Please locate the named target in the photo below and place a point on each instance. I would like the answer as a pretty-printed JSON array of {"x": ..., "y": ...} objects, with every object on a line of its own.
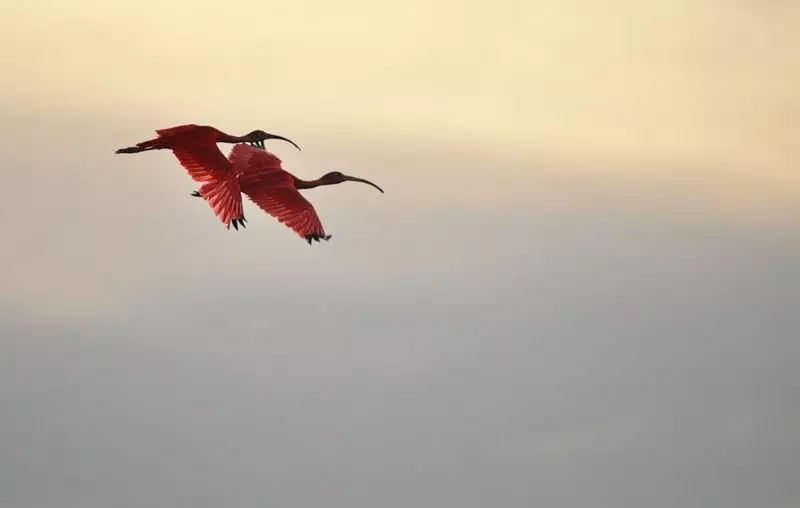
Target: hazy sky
[{"x": 580, "y": 288}]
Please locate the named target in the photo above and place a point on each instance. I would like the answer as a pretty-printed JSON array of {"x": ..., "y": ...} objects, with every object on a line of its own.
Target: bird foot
[
  {"x": 316, "y": 238},
  {"x": 196, "y": 194}
]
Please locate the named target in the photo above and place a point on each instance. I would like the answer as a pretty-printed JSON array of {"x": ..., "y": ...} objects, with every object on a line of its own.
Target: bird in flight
[
  {"x": 249, "y": 169},
  {"x": 276, "y": 191},
  {"x": 198, "y": 136}
]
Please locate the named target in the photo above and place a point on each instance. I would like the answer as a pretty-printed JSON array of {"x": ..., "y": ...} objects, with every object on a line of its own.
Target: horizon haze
[{"x": 580, "y": 288}]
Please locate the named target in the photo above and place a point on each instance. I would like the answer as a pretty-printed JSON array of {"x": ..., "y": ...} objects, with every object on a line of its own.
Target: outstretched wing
[
  {"x": 225, "y": 198},
  {"x": 288, "y": 206},
  {"x": 203, "y": 161},
  {"x": 247, "y": 159},
  {"x": 273, "y": 190},
  {"x": 179, "y": 129},
  {"x": 196, "y": 150}
]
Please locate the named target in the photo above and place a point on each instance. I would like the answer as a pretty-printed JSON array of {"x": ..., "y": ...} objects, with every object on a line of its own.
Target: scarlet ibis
[
  {"x": 195, "y": 146},
  {"x": 276, "y": 191},
  {"x": 198, "y": 135},
  {"x": 250, "y": 169}
]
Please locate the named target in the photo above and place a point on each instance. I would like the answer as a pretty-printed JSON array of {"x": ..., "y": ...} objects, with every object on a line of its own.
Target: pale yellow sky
[
  {"x": 488, "y": 103},
  {"x": 584, "y": 270},
  {"x": 706, "y": 83}
]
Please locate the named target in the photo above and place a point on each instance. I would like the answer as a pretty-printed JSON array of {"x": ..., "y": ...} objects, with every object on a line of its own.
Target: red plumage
[
  {"x": 250, "y": 170},
  {"x": 195, "y": 147},
  {"x": 274, "y": 190}
]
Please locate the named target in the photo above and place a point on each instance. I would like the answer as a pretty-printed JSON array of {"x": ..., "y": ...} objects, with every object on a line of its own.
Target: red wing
[
  {"x": 195, "y": 146},
  {"x": 177, "y": 136},
  {"x": 272, "y": 189},
  {"x": 196, "y": 149},
  {"x": 249, "y": 159},
  {"x": 288, "y": 206},
  {"x": 166, "y": 137},
  {"x": 203, "y": 162},
  {"x": 179, "y": 129},
  {"x": 225, "y": 198}
]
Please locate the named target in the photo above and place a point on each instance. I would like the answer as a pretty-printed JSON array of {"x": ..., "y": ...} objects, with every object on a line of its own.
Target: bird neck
[
  {"x": 224, "y": 137},
  {"x": 299, "y": 183}
]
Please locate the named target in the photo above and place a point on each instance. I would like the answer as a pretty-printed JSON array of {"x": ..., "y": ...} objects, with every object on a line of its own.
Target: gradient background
[{"x": 580, "y": 288}]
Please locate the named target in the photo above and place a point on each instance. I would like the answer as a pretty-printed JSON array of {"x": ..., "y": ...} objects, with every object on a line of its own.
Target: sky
[{"x": 579, "y": 289}]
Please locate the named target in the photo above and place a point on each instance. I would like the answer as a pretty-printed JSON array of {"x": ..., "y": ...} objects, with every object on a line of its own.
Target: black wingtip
[
  {"x": 316, "y": 238},
  {"x": 238, "y": 222}
]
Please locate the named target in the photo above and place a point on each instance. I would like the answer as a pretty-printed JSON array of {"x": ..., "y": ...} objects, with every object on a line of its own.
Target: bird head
[
  {"x": 257, "y": 138},
  {"x": 336, "y": 177}
]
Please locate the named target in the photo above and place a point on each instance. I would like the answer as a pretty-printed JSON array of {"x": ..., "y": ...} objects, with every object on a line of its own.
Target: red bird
[
  {"x": 189, "y": 136},
  {"x": 276, "y": 191},
  {"x": 251, "y": 170},
  {"x": 195, "y": 146}
]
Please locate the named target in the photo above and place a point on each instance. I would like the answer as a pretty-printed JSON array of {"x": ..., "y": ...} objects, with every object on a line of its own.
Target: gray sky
[
  {"x": 599, "y": 343},
  {"x": 552, "y": 306}
]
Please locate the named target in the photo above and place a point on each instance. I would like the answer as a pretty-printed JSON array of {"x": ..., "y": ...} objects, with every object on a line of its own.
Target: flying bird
[
  {"x": 199, "y": 136},
  {"x": 276, "y": 191},
  {"x": 250, "y": 169},
  {"x": 195, "y": 147}
]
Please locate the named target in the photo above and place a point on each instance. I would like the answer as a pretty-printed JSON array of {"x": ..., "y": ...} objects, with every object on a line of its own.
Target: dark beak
[
  {"x": 275, "y": 136},
  {"x": 355, "y": 179}
]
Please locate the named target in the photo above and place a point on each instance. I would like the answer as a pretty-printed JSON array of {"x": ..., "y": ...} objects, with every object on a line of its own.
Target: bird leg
[{"x": 135, "y": 149}]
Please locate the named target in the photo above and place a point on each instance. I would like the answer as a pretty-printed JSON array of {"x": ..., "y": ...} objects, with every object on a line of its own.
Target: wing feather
[
  {"x": 196, "y": 150},
  {"x": 225, "y": 198},
  {"x": 272, "y": 189},
  {"x": 179, "y": 129},
  {"x": 288, "y": 206},
  {"x": 249, "y": 159}
]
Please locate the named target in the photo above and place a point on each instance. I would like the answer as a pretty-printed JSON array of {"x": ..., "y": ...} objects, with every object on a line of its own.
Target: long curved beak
[
  {"x": 275, "y": 136},
  {"x": 356, "y": 179}
]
